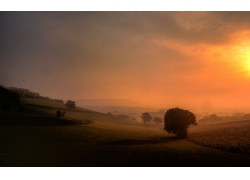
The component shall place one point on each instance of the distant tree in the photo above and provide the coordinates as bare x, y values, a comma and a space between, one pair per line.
123, 117
146, 117
132, 118
59, 113
70, 104
109, 113
177, 121
157, 120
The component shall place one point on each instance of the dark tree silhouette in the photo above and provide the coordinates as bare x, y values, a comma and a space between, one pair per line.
177, 121
157, 120
146, 117
123, 117
132, 118
21, 92
59, 113
70, 104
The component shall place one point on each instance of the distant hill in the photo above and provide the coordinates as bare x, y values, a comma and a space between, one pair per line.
213, 118
106, 102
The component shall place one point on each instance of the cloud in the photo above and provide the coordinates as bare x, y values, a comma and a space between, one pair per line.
138, 55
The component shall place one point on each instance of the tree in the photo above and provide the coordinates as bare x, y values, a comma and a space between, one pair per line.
157, 120
123, 117
177, 121
59, 113
70, 104
132, 118
146, 117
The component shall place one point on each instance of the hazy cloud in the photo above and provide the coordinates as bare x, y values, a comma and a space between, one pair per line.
131, 55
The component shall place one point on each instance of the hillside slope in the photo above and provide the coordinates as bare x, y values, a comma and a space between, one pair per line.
37, 112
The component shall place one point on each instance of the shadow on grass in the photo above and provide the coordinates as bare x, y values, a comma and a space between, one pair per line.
36, 121
143, 141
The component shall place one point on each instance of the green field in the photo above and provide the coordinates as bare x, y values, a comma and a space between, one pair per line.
106, 142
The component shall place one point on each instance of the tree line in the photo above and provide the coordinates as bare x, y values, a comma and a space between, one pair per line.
21, 92
214, 118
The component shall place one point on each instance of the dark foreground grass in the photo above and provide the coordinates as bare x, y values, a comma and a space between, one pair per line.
106, 144
35, 137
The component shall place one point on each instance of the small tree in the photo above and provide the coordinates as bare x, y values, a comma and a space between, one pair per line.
132, 118
70, 104
146, 117
177, 121
157, 120
122, 117
59, 113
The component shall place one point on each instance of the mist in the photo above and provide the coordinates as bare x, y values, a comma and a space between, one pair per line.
192, 60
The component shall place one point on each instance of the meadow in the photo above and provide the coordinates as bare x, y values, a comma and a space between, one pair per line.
106, 142
230, 136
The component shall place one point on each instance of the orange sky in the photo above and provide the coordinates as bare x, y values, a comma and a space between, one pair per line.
158, 59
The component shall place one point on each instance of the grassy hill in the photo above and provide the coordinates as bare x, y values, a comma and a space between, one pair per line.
72, 142
41, 102
43, 112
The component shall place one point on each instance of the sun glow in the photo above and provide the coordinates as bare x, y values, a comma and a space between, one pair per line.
248, 60
236, 58
244, 58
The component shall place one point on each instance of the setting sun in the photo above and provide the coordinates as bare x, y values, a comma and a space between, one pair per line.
248, 60
155, 59
244, 60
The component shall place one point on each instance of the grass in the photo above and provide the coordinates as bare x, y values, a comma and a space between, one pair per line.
41, 102
107, 142
232, 136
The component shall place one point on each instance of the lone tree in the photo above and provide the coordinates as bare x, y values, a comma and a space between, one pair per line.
70, 104
177, 121
157, 120
146, 117
59, 113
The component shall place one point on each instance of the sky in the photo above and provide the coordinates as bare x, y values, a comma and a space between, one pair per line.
196, 59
